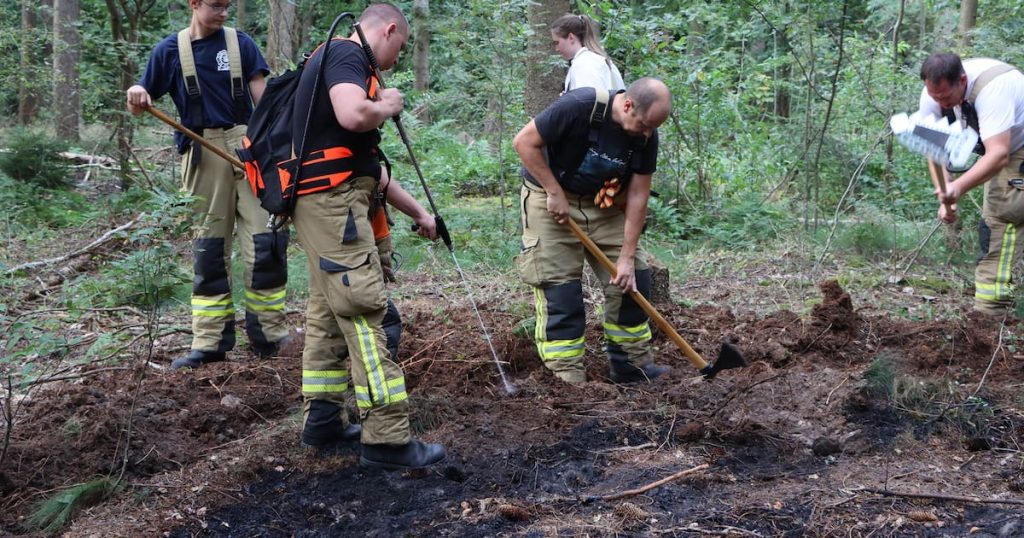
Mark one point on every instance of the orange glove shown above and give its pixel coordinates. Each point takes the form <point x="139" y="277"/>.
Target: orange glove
<point x="605" y="197"/>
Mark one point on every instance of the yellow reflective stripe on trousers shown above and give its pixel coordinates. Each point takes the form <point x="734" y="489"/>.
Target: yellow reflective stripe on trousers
<point x="621" y="335"/>
<point x="264" y="302"/>
<point x="561" y="349"/>
<point x="212" y="309"/>
<point x="1001" y="289"/>
<point x="396" y="391"/>
<point x="324" y="380"/>
<point x="375" y="377"/>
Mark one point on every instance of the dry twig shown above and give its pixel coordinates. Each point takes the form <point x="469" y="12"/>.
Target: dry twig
<point x="944" y="497"/>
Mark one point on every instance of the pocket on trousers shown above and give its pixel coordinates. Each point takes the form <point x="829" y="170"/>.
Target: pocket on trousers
<point x="528" y="261"/>
<point x="355" y="283"/>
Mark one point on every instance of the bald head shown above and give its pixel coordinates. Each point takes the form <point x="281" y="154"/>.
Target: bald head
<point x="651" y="98"/>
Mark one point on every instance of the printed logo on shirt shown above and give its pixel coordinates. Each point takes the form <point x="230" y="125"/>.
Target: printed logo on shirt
<point x="222" y="61"/>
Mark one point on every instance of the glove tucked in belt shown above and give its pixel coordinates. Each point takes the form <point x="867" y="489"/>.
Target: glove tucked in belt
<point x="605" y="197"/>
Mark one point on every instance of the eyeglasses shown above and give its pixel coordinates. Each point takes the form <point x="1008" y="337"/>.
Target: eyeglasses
<point x="217" y="8"/>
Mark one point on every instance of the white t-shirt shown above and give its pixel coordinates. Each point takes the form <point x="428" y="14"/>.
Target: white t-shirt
<point x="1000" y="105"/>
<point x="591" y="70"/>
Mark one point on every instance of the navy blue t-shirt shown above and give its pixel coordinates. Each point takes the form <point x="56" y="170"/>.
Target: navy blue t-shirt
<point x="565" y="127"/>
<point x="163" y="75"/>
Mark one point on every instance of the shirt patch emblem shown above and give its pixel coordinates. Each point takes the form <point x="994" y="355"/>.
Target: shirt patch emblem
<point x="222" y="61"/>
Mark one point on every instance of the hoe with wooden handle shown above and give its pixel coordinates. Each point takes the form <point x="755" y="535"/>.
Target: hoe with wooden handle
<point x="728" y="358"/>
<point x="191" y="134"/>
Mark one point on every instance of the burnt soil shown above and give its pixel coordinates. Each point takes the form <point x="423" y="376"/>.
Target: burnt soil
<point x="836" y="408"/>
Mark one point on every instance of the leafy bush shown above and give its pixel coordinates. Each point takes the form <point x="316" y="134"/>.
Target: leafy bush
<point x="34" y="158"/>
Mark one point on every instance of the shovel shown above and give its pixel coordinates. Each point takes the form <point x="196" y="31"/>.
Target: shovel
<point x="728" y="358"/>
<point x="191" y="134"/>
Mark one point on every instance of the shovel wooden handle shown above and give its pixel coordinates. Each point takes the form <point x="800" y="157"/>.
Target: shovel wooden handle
<point x="659" y="320"/>
<point x="191" y="134"/>
<point x="939" y="180"/>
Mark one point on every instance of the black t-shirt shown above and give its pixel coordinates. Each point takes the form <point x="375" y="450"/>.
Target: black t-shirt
<point x="565" y="126"/>
<point x="346" y="63"/>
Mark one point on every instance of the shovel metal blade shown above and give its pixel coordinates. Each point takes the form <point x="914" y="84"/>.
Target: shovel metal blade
<point x="728" y="358"/>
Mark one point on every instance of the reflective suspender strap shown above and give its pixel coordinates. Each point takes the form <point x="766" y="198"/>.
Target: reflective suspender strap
<point x="237" y="81"/>
<point x="597" y="114"/>
<point x="188" y="73"/>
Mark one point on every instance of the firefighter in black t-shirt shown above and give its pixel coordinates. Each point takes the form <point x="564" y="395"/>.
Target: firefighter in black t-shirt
<point x="564" y="168"/>
<point x="346" y="284"/>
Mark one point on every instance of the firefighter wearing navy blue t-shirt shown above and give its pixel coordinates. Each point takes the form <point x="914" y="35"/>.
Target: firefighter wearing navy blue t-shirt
<point x="214" y="74"/>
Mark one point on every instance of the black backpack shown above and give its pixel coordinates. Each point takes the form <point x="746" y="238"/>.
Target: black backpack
<point x="270" y="148"/>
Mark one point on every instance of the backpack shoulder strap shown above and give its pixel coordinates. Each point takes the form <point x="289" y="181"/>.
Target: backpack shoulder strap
<point x="188" y="72"/>
<point x="987" y="76"/>
<point x="237" y="82"/>
<point x="597" y="114"/>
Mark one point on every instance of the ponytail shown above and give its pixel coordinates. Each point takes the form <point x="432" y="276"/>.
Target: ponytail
<point x="584" y="28"/>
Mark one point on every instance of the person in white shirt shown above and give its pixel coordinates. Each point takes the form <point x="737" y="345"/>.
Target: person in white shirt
<point x="987" y="95"/>
<point x="577" y="38"/>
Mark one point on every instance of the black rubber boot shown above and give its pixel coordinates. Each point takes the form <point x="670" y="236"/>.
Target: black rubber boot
<point x="269" y="351"/>
<point x="412" y="455"/>
<point x="624" y="372"/>
<point x="196" y="358"/>
<point x="324" y="427"/>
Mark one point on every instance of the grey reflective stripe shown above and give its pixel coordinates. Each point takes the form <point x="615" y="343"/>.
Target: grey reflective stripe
<point x="325" y="380"/>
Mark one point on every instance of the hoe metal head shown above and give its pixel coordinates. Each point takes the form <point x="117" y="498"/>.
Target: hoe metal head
<point x="728" y="358"/>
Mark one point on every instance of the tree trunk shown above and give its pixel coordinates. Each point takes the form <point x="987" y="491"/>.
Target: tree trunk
<point x="67" y="102"/>
<point x="280" y="51"/>
<point x="28" y="97"/>
<point x="421" y="52"/>
<point x="785" y="72"/>
<point x="968" y="16"/>
<point x="543" y="84"/>
<point x="124" y="31"/>
<point x="240" y="14"/>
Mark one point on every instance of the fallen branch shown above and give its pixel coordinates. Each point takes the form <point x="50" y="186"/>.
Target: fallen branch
<point x="106" y="237"/>
<point x="943" y="497"/>
<point x="644" y="489"/>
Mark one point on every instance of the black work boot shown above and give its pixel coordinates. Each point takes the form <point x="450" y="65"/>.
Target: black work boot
<point x="412" y="455"/>
<point x="324" y="427"/>
<point x="196" y="358"/>
<point x="624" y="372"/>
<point x="269" y="350"/>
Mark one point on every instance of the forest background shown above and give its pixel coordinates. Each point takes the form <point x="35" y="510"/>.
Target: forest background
<point x="778" y="144"/>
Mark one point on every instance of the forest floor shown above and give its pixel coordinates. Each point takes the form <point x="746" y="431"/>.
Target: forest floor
<point x="844" y="411"/>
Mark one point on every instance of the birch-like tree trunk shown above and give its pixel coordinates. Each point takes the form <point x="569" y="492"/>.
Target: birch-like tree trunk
<point x="67" y="45"/>
<point x="543" y="80"/>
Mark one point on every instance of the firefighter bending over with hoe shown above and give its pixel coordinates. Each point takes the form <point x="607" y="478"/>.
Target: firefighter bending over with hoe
<point x="589" y="158"/>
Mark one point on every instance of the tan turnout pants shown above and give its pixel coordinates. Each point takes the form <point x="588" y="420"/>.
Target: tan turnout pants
<point x="225" y="205"/>
<point x="1003" y="214"/>
<point x="551" y="262"/>
<point x="347" y="304"/>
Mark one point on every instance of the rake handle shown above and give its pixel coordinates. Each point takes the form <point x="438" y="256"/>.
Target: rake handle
<point x="659" y="320"/>
<point x="191" y="134"/>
